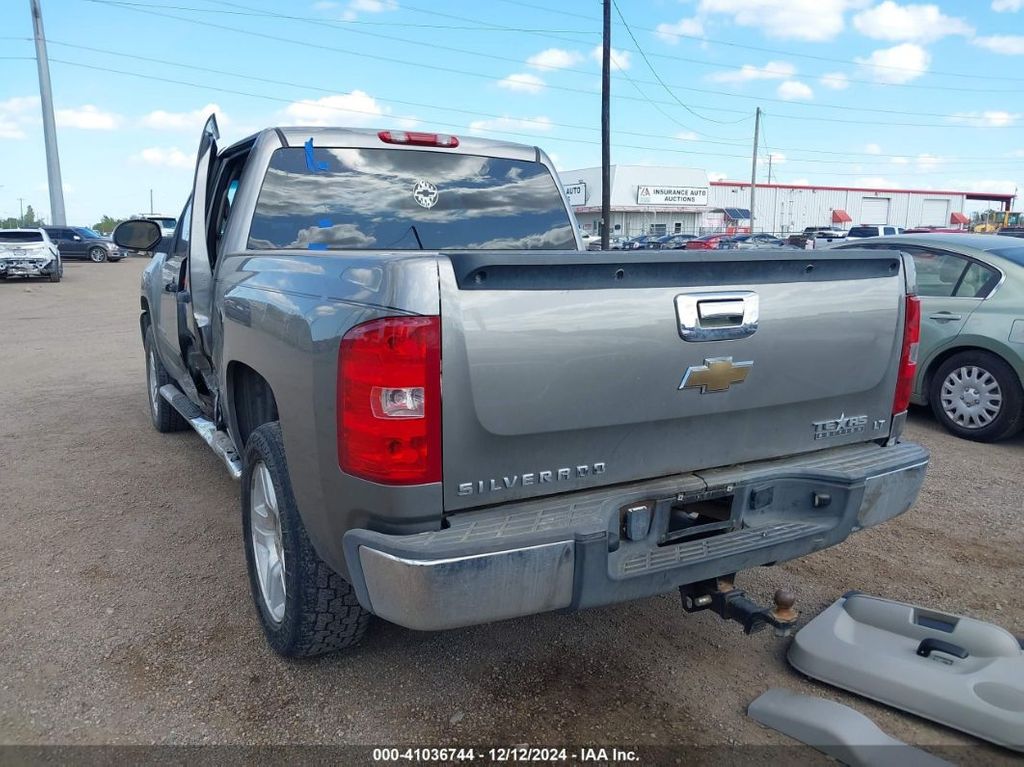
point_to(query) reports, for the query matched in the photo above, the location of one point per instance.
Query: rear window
(390, 199)
(21, 237)
(1010, 254)
(863, 231)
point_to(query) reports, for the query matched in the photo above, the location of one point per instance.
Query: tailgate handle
(717, 316)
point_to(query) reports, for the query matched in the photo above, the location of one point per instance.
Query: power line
(469, 112)
(655, 73)
(282, 100)
(422, 65)
(775, 51)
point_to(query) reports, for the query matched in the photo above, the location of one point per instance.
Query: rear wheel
(305, 607)
(165, 418)
(977, 396)
(55, 275)
(97, 254)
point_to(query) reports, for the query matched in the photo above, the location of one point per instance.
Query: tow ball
(731, 603)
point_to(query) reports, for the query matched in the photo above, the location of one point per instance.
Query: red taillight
(389, 401)
(418, 139)
(908, 357)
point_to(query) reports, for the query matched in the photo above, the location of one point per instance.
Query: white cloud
(356, 7)
(896, 65)
(554, 58)
(773, 70)
(523, 82)
(1007, 6)
(510, 124)
(190, 121)
(899, 160)
(917, 23)
(355, 108)
(671, 33)
(15, 113)
(87, 117)
(168, 157)
(837, 81)
(999, 186)
(927, 161)
(621, 60)
(872, 149)
(992, 118)
(1008, 45)
(687, 135)
(876, 182)
(717, 175)
(811, 20)
(794, 90)
(1016, 153)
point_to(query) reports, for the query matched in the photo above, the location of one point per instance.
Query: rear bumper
(570, 551)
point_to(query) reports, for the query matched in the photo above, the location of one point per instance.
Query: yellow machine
(994, 220)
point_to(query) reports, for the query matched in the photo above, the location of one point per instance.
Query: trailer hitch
(731, 603)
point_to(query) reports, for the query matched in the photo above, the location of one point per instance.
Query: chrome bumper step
(218, 440)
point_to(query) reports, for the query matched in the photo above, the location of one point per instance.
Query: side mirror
(138, 234)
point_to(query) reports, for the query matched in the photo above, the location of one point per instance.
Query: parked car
(861, 231)
(719, 241)
(29, 253)
(167, 223)
(299, 331)
(759, 240)
(932, 230)
(815, 235)
(82, 242)
(638, 243)
(670, 241)
(971, 358)
(1011, 232)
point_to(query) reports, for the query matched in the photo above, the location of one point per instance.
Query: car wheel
(305, 607)
(165, 417)
(977, 396)
(55, 276)
(97, 254)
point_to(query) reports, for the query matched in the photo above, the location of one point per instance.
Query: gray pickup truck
(444, 412)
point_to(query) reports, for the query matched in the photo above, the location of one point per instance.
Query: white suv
(871, 231)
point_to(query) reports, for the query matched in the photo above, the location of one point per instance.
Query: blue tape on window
(317, 246)
(311, 164)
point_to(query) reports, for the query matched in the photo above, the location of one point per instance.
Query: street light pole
(49, 125)
(753, 167)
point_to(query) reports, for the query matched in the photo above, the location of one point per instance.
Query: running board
(218, 440)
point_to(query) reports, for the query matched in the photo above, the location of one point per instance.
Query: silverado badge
(716, 374)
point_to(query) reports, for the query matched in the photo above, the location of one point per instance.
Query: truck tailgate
(571, 370)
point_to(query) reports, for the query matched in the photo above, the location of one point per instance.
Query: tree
(106, 224)
(10, 223)
(29, 219)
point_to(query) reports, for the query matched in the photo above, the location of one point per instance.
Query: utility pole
(770, 167)
(606, 126)
(151, 202)
(49, 125)
(753, 167)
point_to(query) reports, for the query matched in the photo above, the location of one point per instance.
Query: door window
(977, 282)
(938, 274)
(181, 233)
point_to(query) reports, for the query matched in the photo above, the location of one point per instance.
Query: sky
(854, 92)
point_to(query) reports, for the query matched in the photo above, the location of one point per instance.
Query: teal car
(971, 358)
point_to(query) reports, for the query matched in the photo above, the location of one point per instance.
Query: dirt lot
(126, 615)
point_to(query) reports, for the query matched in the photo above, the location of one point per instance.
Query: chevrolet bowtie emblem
(716, 374)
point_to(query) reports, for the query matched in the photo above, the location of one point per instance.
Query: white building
(664, 200)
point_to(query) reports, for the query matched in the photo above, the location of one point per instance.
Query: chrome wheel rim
(267, 547)
(97, 255)
(154, 385)
(971, 397)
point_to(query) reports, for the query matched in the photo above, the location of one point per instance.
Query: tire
(165, 418)
(55, 276)
(318, 611)
(97, 254)
(964, 384)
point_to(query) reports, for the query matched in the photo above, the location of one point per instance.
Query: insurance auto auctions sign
(672, 195)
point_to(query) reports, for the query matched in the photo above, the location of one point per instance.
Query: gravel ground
(126, 616)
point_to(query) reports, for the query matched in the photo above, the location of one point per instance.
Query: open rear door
(199, 264)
